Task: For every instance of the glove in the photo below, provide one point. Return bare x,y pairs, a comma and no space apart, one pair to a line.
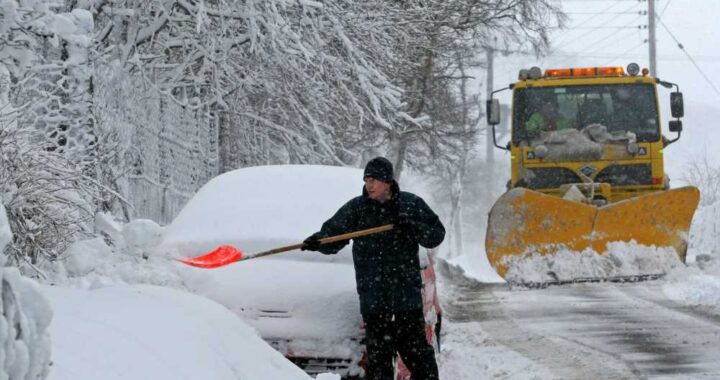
311,244
403,225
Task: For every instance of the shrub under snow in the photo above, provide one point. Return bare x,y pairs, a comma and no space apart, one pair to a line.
25,316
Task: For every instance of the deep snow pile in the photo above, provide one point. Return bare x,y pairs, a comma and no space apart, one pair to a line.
108,325
621,260
698,284
150,332
24,319
91,263
705,232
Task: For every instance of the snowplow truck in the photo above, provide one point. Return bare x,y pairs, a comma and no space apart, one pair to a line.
586,150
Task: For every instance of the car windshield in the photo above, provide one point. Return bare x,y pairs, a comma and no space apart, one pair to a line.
621,108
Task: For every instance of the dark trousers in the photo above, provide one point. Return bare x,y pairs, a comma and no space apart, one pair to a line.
403,334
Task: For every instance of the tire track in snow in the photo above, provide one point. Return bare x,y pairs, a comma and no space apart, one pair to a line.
582,331
560,357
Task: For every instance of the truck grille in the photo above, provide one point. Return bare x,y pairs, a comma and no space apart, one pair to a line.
548,178
616,175
347,368
316,366
626,175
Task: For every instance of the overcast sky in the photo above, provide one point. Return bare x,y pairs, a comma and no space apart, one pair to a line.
613,38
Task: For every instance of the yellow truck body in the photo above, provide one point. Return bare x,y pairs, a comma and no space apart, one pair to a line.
613,155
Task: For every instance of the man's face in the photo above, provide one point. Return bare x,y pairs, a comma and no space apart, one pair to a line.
376,189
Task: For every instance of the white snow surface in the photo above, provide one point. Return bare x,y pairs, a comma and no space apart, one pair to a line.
142,331
289,300
127,332
253,208
258,206
621,260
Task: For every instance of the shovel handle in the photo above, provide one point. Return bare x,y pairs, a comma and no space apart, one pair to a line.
329,239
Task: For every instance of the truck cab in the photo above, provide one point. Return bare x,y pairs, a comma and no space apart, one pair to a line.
597,128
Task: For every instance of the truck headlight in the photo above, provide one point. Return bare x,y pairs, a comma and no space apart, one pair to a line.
633,69
633,148
541,151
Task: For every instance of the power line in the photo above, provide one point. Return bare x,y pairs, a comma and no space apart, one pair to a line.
615,40
607,27
707,79
666,6
579,38
600,13
611,60
573,54
591,17
607,36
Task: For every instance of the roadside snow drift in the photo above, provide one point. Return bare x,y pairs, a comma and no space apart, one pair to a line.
148,332
621,260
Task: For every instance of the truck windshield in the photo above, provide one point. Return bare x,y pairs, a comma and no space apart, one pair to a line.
621,108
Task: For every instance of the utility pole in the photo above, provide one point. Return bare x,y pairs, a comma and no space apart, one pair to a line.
489,147
651,37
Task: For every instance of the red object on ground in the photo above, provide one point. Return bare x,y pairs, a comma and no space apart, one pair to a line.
220,256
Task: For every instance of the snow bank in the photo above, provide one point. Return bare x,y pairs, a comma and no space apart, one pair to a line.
24,319
698,284
148,332
475,265
126,260
694,287
621,260
705,233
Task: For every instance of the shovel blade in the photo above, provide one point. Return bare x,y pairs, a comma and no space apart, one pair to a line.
219,257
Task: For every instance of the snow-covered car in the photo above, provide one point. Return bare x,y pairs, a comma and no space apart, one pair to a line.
304,304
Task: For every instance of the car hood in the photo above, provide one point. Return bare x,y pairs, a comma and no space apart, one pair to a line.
290,297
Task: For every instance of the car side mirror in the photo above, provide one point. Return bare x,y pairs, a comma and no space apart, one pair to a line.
676,125
493,112
676,105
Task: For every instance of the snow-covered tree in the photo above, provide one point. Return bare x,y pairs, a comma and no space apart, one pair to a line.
445,34
48,141
291,81
47,197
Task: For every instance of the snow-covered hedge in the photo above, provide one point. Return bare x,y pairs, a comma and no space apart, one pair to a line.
25,316
45,196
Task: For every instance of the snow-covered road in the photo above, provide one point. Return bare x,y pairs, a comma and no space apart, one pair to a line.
581,331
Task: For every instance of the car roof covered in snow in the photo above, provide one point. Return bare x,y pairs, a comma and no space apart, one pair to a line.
257,208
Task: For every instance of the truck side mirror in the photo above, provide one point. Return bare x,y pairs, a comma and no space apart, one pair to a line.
493,112
676,105
675,125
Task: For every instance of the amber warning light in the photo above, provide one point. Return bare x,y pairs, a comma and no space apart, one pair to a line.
585,72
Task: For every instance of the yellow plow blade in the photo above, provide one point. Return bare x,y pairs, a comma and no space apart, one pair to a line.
524,221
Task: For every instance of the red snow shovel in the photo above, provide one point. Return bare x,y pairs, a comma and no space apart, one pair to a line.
227,254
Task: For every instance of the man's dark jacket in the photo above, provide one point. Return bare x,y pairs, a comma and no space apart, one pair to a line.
387,267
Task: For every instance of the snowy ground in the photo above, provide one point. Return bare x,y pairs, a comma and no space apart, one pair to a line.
150,332
105,314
